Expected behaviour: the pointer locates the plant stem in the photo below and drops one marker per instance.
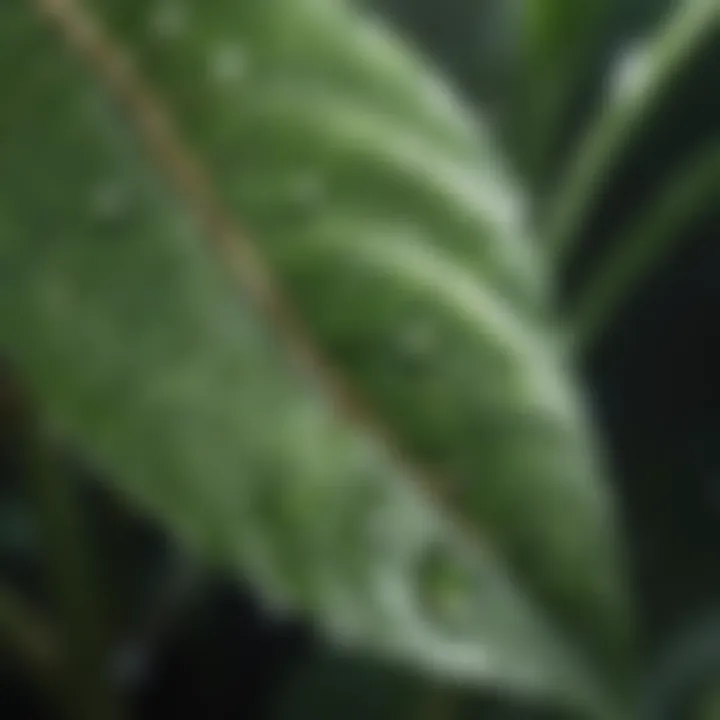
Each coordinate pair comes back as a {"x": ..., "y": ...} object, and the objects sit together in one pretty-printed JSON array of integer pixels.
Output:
[
  {"x": 688, "y": 29},
  {"x": 87, "y": 686},
  {"x": 648, "y": 240}
]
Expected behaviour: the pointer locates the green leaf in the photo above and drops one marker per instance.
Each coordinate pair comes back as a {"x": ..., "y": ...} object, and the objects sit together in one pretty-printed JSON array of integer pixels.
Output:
[
  {"x": 341, "y": 107},
  {"x": 121, "y": 302},
  {"x": 413, "y": 267}
]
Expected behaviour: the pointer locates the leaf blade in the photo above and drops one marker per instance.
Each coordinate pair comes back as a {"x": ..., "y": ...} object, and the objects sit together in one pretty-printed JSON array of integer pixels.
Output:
[
  {"x": 144, "y": 352},
  {"x": 347, "y": 143}
]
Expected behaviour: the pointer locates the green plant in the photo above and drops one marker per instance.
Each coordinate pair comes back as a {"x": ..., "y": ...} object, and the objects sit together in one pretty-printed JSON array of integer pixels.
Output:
[{"x": 262, "y": 268}]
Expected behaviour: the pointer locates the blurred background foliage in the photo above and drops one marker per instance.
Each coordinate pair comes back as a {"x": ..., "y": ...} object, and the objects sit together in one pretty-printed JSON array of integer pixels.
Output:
[
  {"x": 655, "y": 375},
  {"x": 189, "y": 644}
]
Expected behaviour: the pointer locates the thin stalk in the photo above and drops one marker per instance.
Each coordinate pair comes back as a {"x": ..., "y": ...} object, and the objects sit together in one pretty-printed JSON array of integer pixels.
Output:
[
  {"x": 688, "y": 29},
  {"x": 647, "y": 242}
]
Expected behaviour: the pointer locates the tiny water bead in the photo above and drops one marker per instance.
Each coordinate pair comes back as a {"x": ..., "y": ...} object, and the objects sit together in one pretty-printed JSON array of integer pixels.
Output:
[
  {"x": 110, "y": 200},
  {"x": 228, "y": 63},
  {"x": 169, "y": 20}
]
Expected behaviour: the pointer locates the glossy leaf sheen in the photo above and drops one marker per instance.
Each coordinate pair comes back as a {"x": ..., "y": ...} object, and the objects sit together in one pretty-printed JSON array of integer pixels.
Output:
[{"x": 385, "y": 218}]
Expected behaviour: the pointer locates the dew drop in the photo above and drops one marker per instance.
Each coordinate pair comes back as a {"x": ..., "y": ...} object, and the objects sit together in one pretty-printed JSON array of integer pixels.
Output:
[
  {"x": 110, "y": 201},
  {"x": 228, "y": 63},
  {"x": 170, "y": 20}
]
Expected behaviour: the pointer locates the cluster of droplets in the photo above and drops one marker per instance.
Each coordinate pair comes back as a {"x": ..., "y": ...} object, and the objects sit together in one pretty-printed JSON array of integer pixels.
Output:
[{"x": 170, "y": 21}]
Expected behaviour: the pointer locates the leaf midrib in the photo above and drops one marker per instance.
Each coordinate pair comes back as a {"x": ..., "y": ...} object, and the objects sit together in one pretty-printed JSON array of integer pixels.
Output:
[{"x": 108, "y": 62}]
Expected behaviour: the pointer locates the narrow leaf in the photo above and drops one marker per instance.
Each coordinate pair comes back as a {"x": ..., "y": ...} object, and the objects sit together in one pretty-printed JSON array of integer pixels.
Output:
[
  {"x": 646, "y": 243},
  {"x": 687, "y": 31}
]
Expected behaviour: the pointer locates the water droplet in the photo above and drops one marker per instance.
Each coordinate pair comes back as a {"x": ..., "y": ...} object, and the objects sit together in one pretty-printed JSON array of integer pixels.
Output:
[
  {"x": 169, "y": 20},
  {"x": 228, "y": 63},
  {"x": 445, "y": 586},
  {"x": 110, "y": 200}
]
